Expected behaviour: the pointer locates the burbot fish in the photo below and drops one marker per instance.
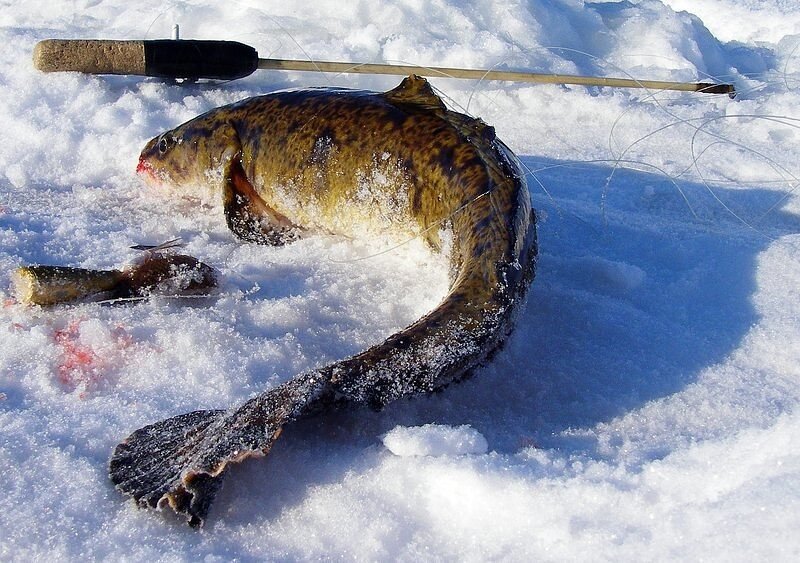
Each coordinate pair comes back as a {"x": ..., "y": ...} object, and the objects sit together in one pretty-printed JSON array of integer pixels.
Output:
[{"x": 294, "y": 163}]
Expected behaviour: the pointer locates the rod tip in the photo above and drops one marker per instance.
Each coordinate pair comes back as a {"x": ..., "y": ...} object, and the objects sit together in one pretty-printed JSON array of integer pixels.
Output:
[{"x": 711, "y": 88}]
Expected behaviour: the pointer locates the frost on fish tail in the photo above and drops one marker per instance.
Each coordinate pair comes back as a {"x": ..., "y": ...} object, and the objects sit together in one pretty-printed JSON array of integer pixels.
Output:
[
  {"x": 180, "y": 462},
  {"x": 149, "y": 465}
]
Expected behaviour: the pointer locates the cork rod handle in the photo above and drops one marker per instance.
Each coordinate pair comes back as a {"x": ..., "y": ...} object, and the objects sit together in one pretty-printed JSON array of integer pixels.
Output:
[
  {"x": 163, "y": 58},
  {"x": 92, "y": 56}
]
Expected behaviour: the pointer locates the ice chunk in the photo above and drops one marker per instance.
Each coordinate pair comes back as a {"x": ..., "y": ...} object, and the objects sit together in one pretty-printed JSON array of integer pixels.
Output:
[{"x": 435, "y": 440}]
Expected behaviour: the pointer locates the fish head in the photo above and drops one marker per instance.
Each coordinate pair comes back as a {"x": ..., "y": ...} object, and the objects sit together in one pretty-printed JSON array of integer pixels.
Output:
[{"x": 189, "y": 157}]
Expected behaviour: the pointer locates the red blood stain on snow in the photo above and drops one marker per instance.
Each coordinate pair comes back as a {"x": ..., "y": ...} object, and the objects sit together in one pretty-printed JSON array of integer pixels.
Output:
[{"x": 82, "y": 366}]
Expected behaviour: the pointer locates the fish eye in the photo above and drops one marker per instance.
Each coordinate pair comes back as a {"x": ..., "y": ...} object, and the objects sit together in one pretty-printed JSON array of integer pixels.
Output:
[{"x": 164, "y": 144}]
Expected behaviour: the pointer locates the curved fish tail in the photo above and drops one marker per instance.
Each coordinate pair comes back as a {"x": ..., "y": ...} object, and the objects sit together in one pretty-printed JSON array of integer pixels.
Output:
[{"x": 180, "y": 462}]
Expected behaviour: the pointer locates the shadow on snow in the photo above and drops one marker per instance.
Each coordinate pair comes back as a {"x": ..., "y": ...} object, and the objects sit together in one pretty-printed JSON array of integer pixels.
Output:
[{"x": 635, "y": 295}]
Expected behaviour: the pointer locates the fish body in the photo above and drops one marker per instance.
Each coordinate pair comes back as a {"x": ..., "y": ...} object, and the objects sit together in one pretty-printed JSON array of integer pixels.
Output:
[{"x": 398, "y": 164}]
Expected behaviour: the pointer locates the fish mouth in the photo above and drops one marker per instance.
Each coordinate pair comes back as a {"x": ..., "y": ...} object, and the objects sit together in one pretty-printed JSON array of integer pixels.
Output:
[
  {"x": 155, "y": 178},
  {"x": 146, "y": 171},
  {"x": 144, "y": 166}
]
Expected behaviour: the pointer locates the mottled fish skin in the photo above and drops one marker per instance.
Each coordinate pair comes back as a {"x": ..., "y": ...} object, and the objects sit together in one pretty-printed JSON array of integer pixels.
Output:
[{"x": 348, "y": 162}]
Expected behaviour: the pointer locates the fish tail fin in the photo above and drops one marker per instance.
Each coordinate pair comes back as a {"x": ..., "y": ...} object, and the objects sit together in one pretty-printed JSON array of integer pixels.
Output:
[
  {"x": 180, "y": 462},
  {"x": 151, "y": 465}
]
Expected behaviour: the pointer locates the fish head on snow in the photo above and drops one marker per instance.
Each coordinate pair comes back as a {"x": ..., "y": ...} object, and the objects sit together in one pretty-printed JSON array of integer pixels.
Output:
[{"x": 190, "y": 157}]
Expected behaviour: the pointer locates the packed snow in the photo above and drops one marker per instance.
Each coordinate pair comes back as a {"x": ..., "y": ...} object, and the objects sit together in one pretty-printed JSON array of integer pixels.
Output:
[
  {"x": 647, "y": 407},
  {"x": 434, "y": 440}
]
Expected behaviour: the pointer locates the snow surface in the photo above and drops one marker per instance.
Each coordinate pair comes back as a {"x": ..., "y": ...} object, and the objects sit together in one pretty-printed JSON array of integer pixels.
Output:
[
  {"x": 647, "y": 406},
  {"x": 435, "y": 440}
]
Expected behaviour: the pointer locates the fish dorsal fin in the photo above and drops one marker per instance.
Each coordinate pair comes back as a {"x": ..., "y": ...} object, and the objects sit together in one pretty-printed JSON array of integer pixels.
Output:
[
  {"x": 483, "y": 129},
  {"x": 417, "y": 91}
]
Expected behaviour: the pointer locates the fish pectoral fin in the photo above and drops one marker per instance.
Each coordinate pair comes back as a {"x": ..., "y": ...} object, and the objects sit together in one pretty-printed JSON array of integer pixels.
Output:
[{"x": 248, "y": 215}]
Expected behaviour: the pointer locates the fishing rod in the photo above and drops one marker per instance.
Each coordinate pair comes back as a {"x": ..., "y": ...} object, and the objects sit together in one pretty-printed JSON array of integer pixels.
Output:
[{"x": 194, "y": 59}]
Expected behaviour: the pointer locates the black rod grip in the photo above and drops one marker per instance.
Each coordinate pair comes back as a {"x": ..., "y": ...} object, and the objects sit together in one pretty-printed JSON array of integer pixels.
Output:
[{"x": 191, "y": 58}]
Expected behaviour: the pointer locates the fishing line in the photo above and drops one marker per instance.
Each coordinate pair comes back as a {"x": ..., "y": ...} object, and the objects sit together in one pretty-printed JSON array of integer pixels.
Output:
[
  {"x": 619, "y": 155},
  {"x": 786, "y": 66},
  {"x": 651, "y": 95},
  {"x": 791, "y": 184},
  {"x": 704, "y": 121}
]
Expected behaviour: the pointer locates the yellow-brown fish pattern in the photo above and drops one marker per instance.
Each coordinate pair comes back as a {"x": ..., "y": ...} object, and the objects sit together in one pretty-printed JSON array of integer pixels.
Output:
[{"x": 293, "y": 163}]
